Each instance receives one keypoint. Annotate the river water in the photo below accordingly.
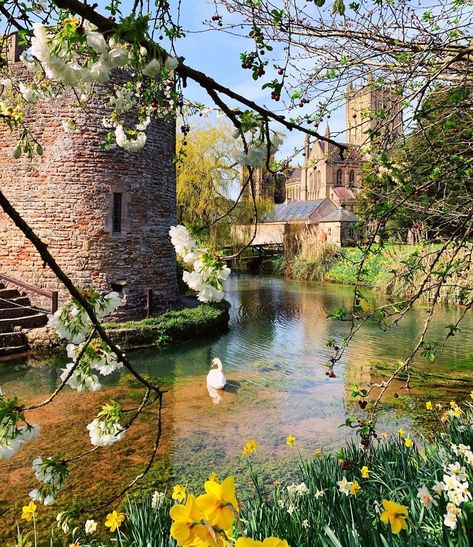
(274, 357)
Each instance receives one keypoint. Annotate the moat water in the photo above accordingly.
(275, 357)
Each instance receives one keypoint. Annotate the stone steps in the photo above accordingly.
(33, 321)
(12, 343)
(15, 315)
(17, 301)
(16, 311)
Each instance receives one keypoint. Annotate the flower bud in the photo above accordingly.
(143, 51)
(17, 152)
(39, 149)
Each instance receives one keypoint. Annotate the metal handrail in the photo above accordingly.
(53, 295)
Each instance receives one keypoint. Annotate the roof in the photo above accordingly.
(340, 215)
(295, 175)
(343, 193)
(294, 210)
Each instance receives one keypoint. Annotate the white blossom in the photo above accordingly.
(102, 433)
(29, 93)
(157, 500)
(425, 497)
(152, 68)
(97, 42)
(118, 57)
(131, 145)
(344, 486)
(90, 526)
(171, 63)
(81, 379)
(208, 293)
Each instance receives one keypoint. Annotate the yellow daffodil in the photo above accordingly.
(290, 440)
(428, 405)
(457, 412)
(355, 488)
(268, 542)
(178, 493)
(365, 472)
(408, 442)
(219, 503)
(213, 477)
(471, 394)
(29, 511)
(453, 404)
(186, 529)
(114, 520)
(318, 453)
(401, 432)
(444, 418)
(250, 446)
(438, 406)
(396, 515)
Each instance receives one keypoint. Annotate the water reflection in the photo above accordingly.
(275, 358)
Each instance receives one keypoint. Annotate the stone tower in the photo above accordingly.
(368, 99)
(105, 215)
(267, 186)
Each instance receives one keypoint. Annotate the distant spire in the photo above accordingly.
(307, 146)
(327, 131)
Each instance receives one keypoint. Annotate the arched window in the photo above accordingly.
(351, 177)
(339, 178)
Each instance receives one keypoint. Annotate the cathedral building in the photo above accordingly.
(371, 112)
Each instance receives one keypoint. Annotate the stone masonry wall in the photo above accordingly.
(66, 197)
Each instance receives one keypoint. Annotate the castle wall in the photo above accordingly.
(66, 196)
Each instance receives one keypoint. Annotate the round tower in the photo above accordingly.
(105, 215)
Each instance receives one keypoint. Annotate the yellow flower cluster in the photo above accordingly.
(207, 520)
(250, 446)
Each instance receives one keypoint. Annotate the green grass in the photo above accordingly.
(172, 326)
(397, 270)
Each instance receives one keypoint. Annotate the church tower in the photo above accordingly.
(372, 112)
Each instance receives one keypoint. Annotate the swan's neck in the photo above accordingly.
(219, 365)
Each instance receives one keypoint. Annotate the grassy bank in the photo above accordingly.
(172, 327)
(396, 270)
(398, 491)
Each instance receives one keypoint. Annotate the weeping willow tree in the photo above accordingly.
(206, 172)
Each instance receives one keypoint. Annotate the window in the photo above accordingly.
(351, 177)
(117, 213)
(339, 178)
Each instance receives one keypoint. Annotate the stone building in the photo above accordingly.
(104, 215)
(327, 173)
(319, 218)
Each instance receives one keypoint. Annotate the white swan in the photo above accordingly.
(215, 377)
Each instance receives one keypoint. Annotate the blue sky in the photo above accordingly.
(218, 55)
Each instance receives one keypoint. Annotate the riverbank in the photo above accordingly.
(398, 491)
(172, 327)
(397, 270)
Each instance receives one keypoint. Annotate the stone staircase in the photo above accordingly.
(16, 314)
